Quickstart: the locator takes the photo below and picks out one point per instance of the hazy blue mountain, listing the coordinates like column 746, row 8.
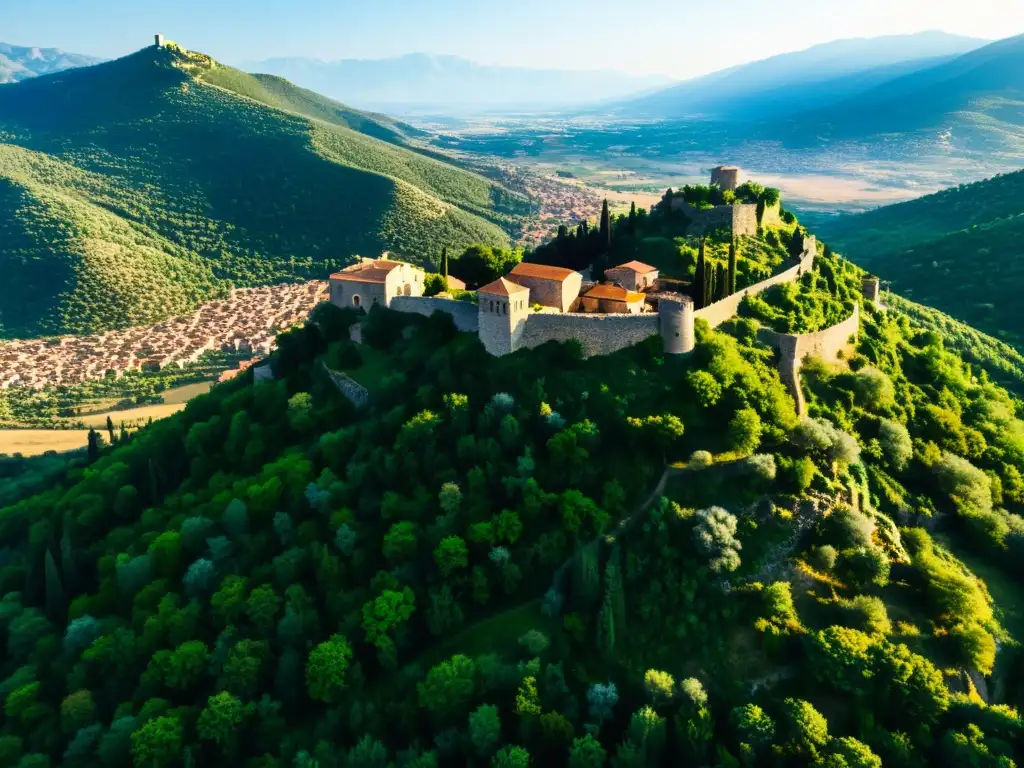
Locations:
column 795, row 82
column 19, row 63
column 980, row 91
column 420, row 80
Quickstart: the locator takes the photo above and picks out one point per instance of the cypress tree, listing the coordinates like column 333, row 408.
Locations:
column 698, row 277
column 632, row 219
column 588, row 577
column 721, row 282
column 606, row 227
column 732, row 267
column 94, row 445
column 110, row 429
column 615, row 591
column 444, row 263
column 606, row 629
column 55, row 605
column 67, row 557
column 709, row 285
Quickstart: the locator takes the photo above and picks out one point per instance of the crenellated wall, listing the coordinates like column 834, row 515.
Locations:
column 793, row 348
column 464, row 313
column 598, row 334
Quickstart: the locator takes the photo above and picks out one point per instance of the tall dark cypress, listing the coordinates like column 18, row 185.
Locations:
column 606, row 226
column 632, row 219
column 699, row 278
column 732, row 267
column 110, row 430
column 444, row 262
column 721, row 282
column 709, row 284
column 94, row 445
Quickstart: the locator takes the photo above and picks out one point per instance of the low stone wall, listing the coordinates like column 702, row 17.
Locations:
column 740, row 218
column 717, row 313
column 352, row 390
column 793, row 348
column 599, row 334
column 464, row 313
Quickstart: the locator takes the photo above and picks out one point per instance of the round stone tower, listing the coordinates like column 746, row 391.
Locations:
column 676, row 319
column 727, row 177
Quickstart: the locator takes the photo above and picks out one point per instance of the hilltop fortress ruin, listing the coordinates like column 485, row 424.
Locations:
column 537, row 303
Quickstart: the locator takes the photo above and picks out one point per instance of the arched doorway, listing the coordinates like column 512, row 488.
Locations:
column 356, row 301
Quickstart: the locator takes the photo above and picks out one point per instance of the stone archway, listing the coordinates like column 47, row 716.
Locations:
column 356, row 300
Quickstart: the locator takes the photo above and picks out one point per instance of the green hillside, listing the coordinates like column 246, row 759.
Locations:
column 960, row 250
column 134, row 189
column 635, row 560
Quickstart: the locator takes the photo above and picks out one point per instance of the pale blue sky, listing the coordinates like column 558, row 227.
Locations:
column 679, row 38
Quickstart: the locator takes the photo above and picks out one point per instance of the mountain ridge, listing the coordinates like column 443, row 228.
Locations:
column 19, row 63
column 168, row 166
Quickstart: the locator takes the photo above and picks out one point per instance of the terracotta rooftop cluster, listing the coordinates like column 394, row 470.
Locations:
column 248, row 321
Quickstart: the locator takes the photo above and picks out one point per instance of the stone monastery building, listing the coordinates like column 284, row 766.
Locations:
column 375, row 281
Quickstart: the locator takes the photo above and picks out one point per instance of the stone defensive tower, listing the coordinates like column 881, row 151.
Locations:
column 159, row 40
column 726, row 177
column 502, row 310
column 871, row 287
column 675, row 317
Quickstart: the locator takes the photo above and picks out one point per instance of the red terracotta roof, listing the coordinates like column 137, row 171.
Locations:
column 637, row 266
column 542, row 271
column 367, row 271
column 613, row 293
column 364, row 275
column 454, row 284
column 502, row 287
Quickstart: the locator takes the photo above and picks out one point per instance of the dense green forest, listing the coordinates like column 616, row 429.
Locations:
column 135, row 189
column 540, row 559
column 958, row 250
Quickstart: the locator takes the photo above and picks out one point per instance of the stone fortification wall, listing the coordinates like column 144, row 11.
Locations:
column 717, row 313
column 352, row 390
column 772, row 215
column 463, row 313
column 599, row 334
column 793, row 348
column 740, row 218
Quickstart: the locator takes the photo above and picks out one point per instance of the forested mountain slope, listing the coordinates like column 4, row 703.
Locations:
column 134, row 189
column 960, row 250
column 273, row 577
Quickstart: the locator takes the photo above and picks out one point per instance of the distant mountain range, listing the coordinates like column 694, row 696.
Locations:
column 133, row 190
column 19, row 63
column 800, row 81
column 960, row 250
column 424, row 81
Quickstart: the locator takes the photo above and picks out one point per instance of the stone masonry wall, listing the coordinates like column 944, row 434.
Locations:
column 463, row 313
column 740, row 218
column 793, row 348
column 772, row 216
column 599, row 334
column 717, row 313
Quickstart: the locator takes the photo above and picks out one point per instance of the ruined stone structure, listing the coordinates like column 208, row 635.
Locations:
column 633, row 276
column 794, row 348
column 740, row 219
column 598, row 334
column 375, row 282
column 349, row 388
column 871, row 287
column 726, row 177
column 159, row 40
column 556, row 287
